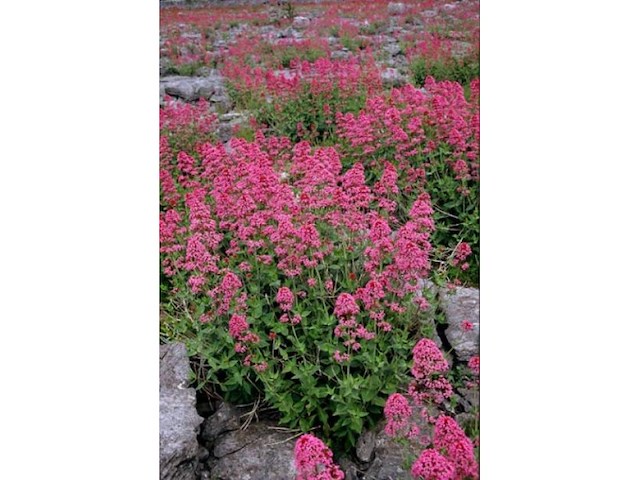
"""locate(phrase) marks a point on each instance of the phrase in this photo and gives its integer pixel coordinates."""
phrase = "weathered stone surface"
(471, 396)
(365, 446)
(226, 418)
(179, 420)
(392, 48)
(257, 453)
(228, 124)
(459, 48)
(301, 22)
(396, 8)
(290, 32)
(460, 305)
(349, 468)
(393, 78)
(192, 88)
(392, 457)
(223, 103)
(390, 461)
(340, 54)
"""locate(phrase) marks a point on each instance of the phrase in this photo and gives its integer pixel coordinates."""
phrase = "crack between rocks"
(234, 451)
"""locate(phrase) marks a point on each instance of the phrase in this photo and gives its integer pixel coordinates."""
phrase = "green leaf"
(356, 425)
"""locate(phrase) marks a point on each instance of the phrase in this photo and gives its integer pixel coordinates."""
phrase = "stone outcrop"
(179, 420)
(462, 305)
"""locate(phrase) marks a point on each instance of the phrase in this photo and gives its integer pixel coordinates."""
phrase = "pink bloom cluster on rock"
(429, 365)
(314, 460)
(449, 438)
(397, 412)
(432, 466)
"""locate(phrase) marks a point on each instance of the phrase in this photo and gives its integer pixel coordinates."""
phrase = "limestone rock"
(392, 457)
(460, 305)
(393, 78)
(179, 420)
(257, 453)
(191, 89)
(226, 418)
(301, 22)
(392, 48)
(340, 54)
(349, 468)
(228, 124)
(396, 8)
(365, 446)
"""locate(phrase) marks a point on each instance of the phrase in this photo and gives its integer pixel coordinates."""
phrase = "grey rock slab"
(192, 88)
(390, 461)
(365, 446)
(257, 453)
(460, 48)
(267, 30)
(460, 305)
(471, 396)
(226, 418)
(228, 123)
(191, 36)
(174, 366)
(396, 8)
(289, 32)
(340, 55)
(179, 420)
(223, 103)
(393, 78)
(301, 22)
(392, 48)
(391, 456)
(349, 468)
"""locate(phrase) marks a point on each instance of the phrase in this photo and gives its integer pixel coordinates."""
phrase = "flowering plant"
(296, 284)
(426, 140)
(314, 460)
(301, 103)
(449, 454)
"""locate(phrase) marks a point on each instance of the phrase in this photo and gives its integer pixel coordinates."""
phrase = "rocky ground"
(383, 32)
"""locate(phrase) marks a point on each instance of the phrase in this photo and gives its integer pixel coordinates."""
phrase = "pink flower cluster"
(314, 460)
(321, 78)
(462, 251)
(429, 366)
(181, 123)
(226, 296)
(432, 466)
(427, 360)
(452, 456)
(348, 328)
(292, 207)
(411, 123)
(397, 412)
(449, 438)
(285, 299)
(239, 331)
(474, 365)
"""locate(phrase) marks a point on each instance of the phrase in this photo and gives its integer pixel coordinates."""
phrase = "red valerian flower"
(314, 460)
